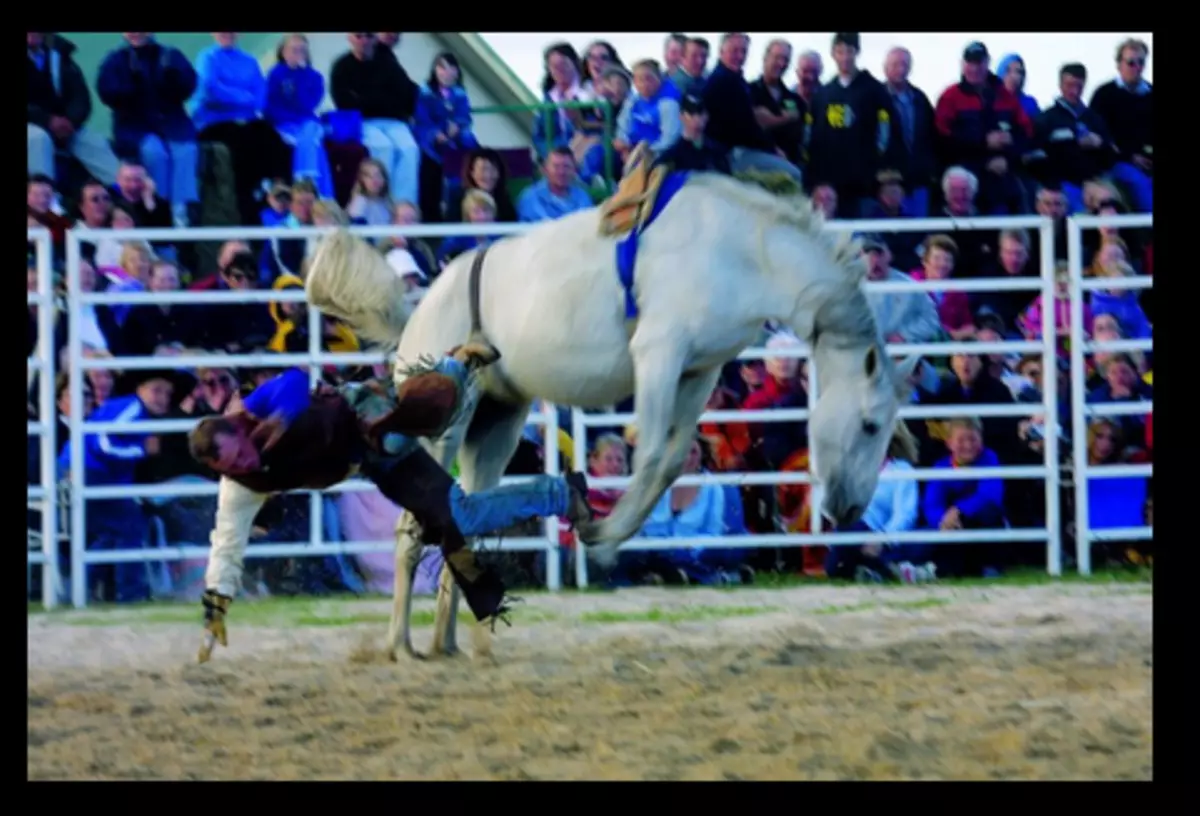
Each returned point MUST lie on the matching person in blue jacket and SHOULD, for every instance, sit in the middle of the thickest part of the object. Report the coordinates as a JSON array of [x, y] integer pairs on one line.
[[294, 91], [443, 123], [111, 459], [146, 85]]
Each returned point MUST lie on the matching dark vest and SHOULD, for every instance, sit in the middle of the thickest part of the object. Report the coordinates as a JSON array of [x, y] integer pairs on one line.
[[317, 450]]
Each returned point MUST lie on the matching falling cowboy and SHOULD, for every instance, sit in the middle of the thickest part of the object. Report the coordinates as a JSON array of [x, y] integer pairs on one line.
[[288, 436]]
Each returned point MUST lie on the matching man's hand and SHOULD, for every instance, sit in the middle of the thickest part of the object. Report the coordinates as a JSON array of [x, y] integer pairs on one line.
[[153, 446], [268, 432], [1091, 141], [216, 606], [952, 520], [998, 165], [999, 139], [62, 128]]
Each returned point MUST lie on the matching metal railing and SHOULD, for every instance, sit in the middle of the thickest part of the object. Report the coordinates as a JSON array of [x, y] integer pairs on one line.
[[45, 494], [546, 111]]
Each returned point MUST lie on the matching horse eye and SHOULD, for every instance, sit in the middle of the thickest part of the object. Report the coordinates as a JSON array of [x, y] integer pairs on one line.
[[870, 428]]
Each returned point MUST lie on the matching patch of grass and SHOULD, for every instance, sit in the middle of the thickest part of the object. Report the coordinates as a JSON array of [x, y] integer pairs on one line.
[[919, 603], [1023, 576], [691, 613], [835, 609]]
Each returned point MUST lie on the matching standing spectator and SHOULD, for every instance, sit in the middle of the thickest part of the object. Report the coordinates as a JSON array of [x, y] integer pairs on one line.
[[1011, 70], [779, 111], [146, 84], [915, 114], [484, 169], [294, 91], [652, 115], [809, 68], [1073, 138], [228, 250], [557, 193], [615, 86], [694, 150], [732, 123], [560, 83], [229, 99], [57, 104], [855, 132], [1126, 104], [443, 123], [903, 317], [691, 74], [983, 127], [370, 80], [673, 48], [598, 55]]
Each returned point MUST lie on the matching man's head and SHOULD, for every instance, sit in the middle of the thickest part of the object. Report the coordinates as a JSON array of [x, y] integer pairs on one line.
[[241, 272], [614, 85], [164, 277], [95, 204], [559, 168], [362, 44], [776, 60], [155, 391], [673, 51], [694, 115], [223, 444], [845, 52], [965, 439], [809, 68], [131, 180], [388, 39], [1131, 60], [734, 46], [695, 56], [897, 65], [960, 186], [1014, 250], [1121, 373], [304, 195], [137, 38], [1051, 203], [1072, 77], [976, 63], [825, 199], [226, 39], [39, 192], [879, 257]]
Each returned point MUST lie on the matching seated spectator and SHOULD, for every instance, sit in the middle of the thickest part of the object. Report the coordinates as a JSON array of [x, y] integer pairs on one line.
[[694, 150], [992, 149], [443, 124], [732, 125], [291, 321], [1013, 261], [149, 326], [784, 386], [292, 207], [779, 111], [97, 325], [137, 194], [965, 504], [294, 92], [1106, 328], [369, 79], [101, 381], [890, 202], [673, 47], [692, 72], [557, 193], [228, 250], [561, 82], [953, 308], [609, 458], [976, 248], [825, 200], [1122, 384], [58, 103], [1051, 203], [230, 97], [855, 132], [43, 209], [652, 114], [972, 383], [409, 271], [1001, 367], [894, 508], [1030, 321], [1123, 303], [147, 84], [371, 203], [477, 208], [1073, 139], [235, 327], [95, 212], [422, 253], [1119, 502], [903, 317], [1126, 104], [215, 388], [484, 169]]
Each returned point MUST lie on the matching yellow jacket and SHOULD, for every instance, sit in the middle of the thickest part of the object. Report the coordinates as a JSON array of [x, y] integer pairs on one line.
[[343, 340]]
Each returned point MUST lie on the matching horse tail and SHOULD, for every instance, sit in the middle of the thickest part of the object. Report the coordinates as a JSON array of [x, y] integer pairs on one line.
[[348, 278]]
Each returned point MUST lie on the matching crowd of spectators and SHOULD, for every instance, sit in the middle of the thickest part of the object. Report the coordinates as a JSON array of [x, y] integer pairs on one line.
[[862, 147]]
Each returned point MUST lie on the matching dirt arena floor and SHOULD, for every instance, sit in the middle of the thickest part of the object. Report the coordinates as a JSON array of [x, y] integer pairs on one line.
[[1044, 682]]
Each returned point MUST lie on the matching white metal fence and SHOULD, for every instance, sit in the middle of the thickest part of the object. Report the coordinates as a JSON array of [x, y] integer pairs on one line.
[[80, 492]]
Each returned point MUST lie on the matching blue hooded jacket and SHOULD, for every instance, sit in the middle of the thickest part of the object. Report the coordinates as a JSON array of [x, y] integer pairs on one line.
[[1027, 102], [293, 94], [231, 87], [147, 88], [111, 459]]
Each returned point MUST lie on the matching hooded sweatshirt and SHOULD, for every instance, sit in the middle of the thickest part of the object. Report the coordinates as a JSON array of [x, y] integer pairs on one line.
[[1028, 103], [855, 133], [230, 88], [290, 338]]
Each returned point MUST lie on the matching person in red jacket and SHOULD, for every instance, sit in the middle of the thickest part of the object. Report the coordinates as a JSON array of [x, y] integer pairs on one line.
[[983, 127]]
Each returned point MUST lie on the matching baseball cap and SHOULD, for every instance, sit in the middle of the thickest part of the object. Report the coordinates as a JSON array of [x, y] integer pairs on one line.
[[692, 104], [975, 52], [871, 242]]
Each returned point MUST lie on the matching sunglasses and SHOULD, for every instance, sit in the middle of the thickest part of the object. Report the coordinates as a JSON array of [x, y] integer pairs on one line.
[[1135, 63], [99, 198]]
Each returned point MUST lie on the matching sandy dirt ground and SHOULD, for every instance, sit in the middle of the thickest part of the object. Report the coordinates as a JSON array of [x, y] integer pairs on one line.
[[806, 683]]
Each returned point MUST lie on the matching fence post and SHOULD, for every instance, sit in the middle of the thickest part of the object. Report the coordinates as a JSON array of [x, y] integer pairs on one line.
[[1083, 548], [553, 550], [76, 374], [1050, 401], [579, 463], [48, 417]]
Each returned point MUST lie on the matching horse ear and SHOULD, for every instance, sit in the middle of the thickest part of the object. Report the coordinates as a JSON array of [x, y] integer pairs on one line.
[[904, 370]]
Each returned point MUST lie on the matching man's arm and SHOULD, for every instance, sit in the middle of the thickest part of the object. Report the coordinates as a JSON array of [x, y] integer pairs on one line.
[[286, 395]]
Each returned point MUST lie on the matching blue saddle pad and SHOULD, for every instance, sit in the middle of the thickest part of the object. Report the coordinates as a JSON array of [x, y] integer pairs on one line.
[[627, 247]]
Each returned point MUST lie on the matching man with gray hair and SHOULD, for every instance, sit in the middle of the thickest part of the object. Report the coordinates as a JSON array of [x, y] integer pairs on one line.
[[779, 110], [809, 68], [903, 317], [914, 112], [732, 123]]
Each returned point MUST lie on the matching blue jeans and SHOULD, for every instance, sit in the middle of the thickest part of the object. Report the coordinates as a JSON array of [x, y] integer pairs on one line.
[[173, 166], [1141, 186], [309, 159], [488, 511]]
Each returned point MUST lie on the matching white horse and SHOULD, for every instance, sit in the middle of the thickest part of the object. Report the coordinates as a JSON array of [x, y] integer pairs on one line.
[[723, 257]]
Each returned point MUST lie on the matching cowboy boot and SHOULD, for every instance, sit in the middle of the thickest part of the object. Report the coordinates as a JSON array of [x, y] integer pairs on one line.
[[578, 509], [481, 587]]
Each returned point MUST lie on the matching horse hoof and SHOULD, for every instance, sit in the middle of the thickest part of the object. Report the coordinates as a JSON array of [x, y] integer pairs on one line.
[[410, 653], [603, 555]]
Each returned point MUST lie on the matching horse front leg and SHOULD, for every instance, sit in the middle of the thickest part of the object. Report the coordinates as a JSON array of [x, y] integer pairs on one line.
[[408, 556]]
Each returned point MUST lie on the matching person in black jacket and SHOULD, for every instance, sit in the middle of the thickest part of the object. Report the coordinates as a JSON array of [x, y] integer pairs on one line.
[[914, 113], [369, 79], [57, 103], [1073, 139], [1126, 104], [854, 132], [693, 150], [731, 123], [779, 110]]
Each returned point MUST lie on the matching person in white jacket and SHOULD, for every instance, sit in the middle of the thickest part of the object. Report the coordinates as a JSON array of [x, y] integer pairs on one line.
[[894, 508], [903, 317]]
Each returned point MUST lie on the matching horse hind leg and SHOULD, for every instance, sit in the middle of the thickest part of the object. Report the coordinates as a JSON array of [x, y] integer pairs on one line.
[[489, 445]]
